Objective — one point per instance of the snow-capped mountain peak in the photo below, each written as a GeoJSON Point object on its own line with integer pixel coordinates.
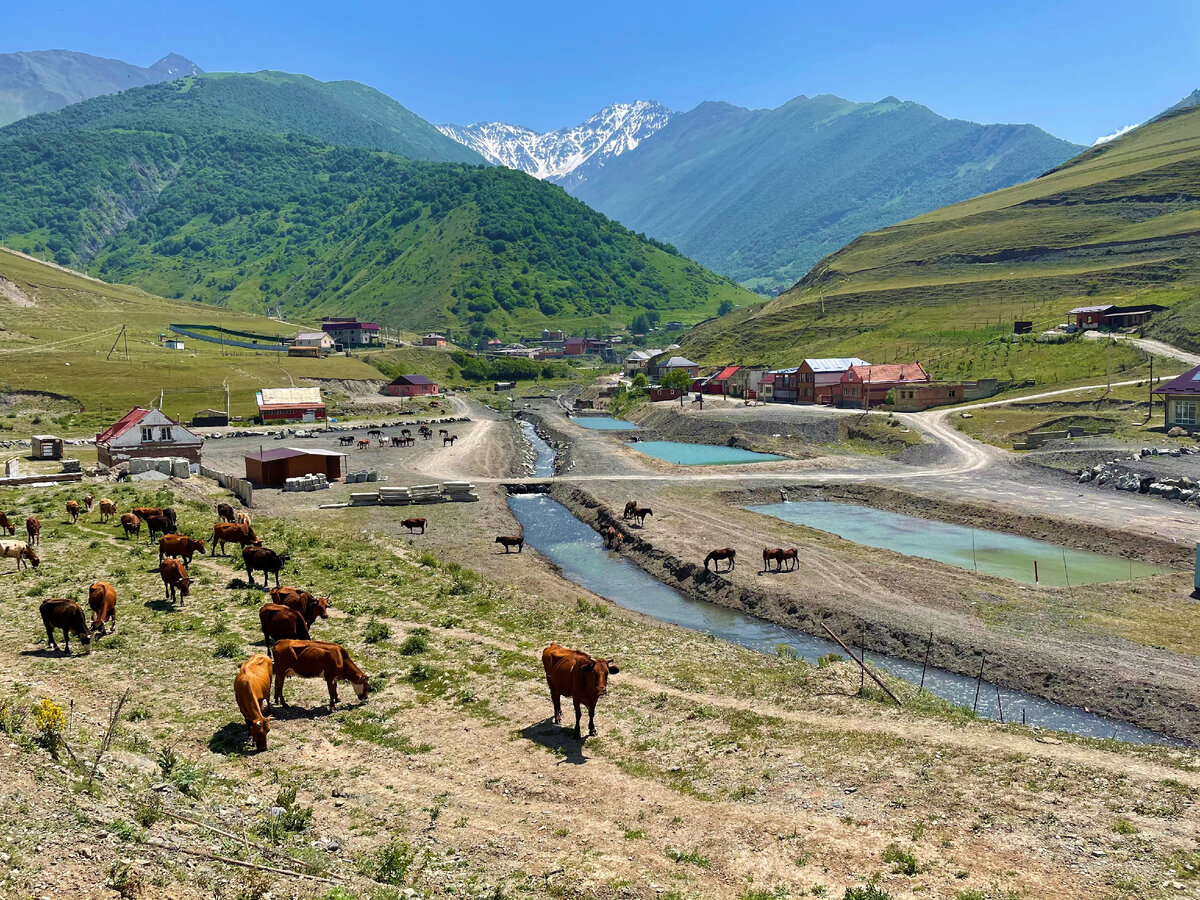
{"type": "Point", "coordinates": [559, 155]}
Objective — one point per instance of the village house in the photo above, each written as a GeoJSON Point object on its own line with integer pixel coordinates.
{"type": "Point", "coordinates": [718, 383]}
{"type": "Point", "coordinates": [147, 433]}
{"type": "Point", "coordinates": [1181, 400]}
{"type": "Point", "coordinates": [575, 346]}
{"type": "Point", "coordinates": [276, 405]}
{"type": "Point", "coordinates": [817, 379]}
{"type": "Point", "coordinates": [638, 360]}
{"type": "Point", "coordinates": [862, 387]}
{"type": "Point", "coordinates": [350, 332]}
{"type": "Point", "coordinates": [916, 397]}
{"type": "Point", "coordinates": [411, 386]}
{"type": "Point", "coordinates": [747, 382]}
{"type": "Point", "coordinates": [766, 391]}
{"type": "Point", "coordinates": [1111, 316]}
{"type": "Point", "coordinates": [318, 339]}
{"type": "Point", "coordinates": [549, 336]}
{"type": "Point", "coordinates": [784, 385]}
{"type": "Point", "coordinates": [661, 365]}
{"type": "Point", "coordinates": [433, 340]}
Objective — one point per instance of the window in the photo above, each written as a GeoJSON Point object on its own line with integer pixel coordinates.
{"type": "Point", "coordinates": [953, 392]}
{"type": "Point", "coordinates": [147, 434]}
{"type": "Point", "coordinates": [1185, 412]}
{"type": "Point", "coordinates": [164, 434]}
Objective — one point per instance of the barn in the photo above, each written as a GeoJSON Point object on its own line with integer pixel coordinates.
{"type": "Point", "coordinates": [290, 405]}
{"type": "Point", "coordinates": [271, 468]}
{"type": "Point", "coordinates": [411, 386]}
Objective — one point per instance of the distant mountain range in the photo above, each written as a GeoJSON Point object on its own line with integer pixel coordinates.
{"type": "Point", "coordinates": [45, 80]}
{"type": "Point", "coordinates": [567, 156]}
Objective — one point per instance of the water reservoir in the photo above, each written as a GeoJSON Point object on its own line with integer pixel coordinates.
{"type": "Point", "coordinates": [700, 454]}
{"type": "Point", "coordinates": [604, 423]}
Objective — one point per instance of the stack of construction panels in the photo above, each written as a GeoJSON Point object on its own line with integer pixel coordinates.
{"type": "Point", "coordinates": [395, 496]}
{"type": "Point", "coordinates": [426, 493]}
{"type": "Point", "coordinates": [460, 491]}
{"type": "Point", "coordinates": [365, 498]}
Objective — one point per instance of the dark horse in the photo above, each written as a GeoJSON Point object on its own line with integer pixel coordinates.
{"type": "Point", "coordinates": [639, 515]}
{"type": "Point", "coordinates": [727, 553]}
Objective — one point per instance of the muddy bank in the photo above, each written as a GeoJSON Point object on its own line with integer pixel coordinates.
{"type": "Point", "coordinates": [1063, 532]}
{"type": "Point", "coordinates": [1073, 676]}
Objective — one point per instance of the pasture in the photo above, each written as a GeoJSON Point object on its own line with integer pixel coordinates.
{"type": "Point", "coordinates": [717, 772]}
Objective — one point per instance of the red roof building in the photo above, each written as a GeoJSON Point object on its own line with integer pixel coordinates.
{"type": "Point", "coordinates": [411, 386]}
{"type": "Point", "coordinates": [865, 386]}
{"type": "Point", "coordinates": [1181, 400]}
{"type": "Point", "coordinates": [147, 433]}
{"type": "Point", "coordinates": [719, 383]}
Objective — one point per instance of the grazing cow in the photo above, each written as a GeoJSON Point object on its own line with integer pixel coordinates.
{"type": "Point", "coordinates": [629, 508]}
{"type": "Point", "coordinates": [243, 517]}
{"type": "Point", "coordinates": [175, 577]}
{"type": "Point", "coordinates": [639, 515]}
{"type": "Point", "coordinates": [132, 524]}
{"type": "Point", "coordinates": [88, 500]}
{"type": "Point", "coordinates": [260, 559]}
{"type": "Point", "coordinates": [67, 615]}
{"type": "Point", "coordinates": [6, 525]}
{"type": "Point", "coordinates": [510, 542]}
{"type": "Point", "coordinates": [157, 525]}
{"type": "Point", "coordinates": [102, 598]}
{"type": "Point", "coordinates": [33, 528]}
{"type": "Point", "coordinates": [312, 659]}
{"type": "Point", "coordinates": [413, 524]}
{"type": "Point", "coordinates": [225, 533]}
{"type": "Point", "coordinates": [612, 538]}
{"type": "Point", "coordinates": [168, 513]}
{"type": "Point", "coordinates": [727, 553]}
{"type": "Point", "coordinates": [108, 509]}
{"type": "Point", "coordinates": [252, 690]}
{"type": "Point", "coordinates": [449, 440]}
{"type": "Point", "coordinates": [20, 551]}
{"type": "Point", "coordinates": [574, 674]}
{"type": "Point", "coordinates": [225, 512]}
{"type": "Point", "coordinates": [280, 623]}
{"type": "Point", "coordinates": [179, 545]}
{"type": "Point", "coordinates": [143, 511]}
{"type": "Point", "coordinates": [303, 602]}
{"type": "Point", "coordinates": [73, 511]}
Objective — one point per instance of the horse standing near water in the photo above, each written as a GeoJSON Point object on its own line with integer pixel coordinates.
{"type": "Point", "coordinates": [726, 553]}
{"type": "Point", "coordinates": [639, 515]}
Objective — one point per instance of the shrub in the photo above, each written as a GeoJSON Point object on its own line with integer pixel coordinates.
{"type": "Point", "coordinates": [391, 863]}
{"type": "Point", "coordinates": [829, 659]}
{"type": "Point", "coordinates": [903, 862]}
{"type": "Point", "coordinates": [50, 720]}
{"type": "Point", "coordinates": [376, 631]}
{"type": "Point", "coordinates": [866, 892]}
{"type": "Point", "coordinates": [228, 647]}
{"type": "Point", "coordinates": [416, 642]}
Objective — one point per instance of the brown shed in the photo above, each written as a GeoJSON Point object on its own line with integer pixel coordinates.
{"type": "Point", "coordinates": [272, 468]}
{"type": "Point", "coordinates": [46, 446]}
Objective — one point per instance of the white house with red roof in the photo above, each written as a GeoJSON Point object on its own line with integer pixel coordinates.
{"type": "Point", "coordinates": [147, 433]}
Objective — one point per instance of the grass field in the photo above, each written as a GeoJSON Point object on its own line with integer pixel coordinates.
{"type": "Point", "coordinates": [58, 328]}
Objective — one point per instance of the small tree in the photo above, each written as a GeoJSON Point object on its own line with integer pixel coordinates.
{"type": "Point", "coordinates": [677, 380]}
{"type": "Point", "coordinates": [640, 324]}
{"type": "Point", "coordinates": [640, 381]}
{"type": "Point", "coordinates": [725, 308]}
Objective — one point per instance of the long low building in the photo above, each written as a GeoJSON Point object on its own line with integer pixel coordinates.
{"type": "Point", "coordinates": [271, 468]}
{"type": "Point", "coordinates": [290, 405]}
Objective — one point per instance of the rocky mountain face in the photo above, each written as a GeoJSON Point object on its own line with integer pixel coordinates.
{"type": "Point", "coordinates": [46, 80]}
{"type": "Point", "coordinates": [567, 156]}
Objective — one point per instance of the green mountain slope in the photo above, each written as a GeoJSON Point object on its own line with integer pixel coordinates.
{"type": "Point", "coordinates": [46, 80]}
{"type": "Point", "coordinates": [344, 113]}
{"type": "Point", "coordinates": [761, 195]}
{"type": "Point", "coordinates": [148, 187]}
{"type": "Point", "coordinates": [1120, 223]}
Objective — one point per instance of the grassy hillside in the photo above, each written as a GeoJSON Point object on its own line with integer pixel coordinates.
{"type": "Point", "coordinates": [1120, 223]}
{"type": "Point", "coordinates": [57, 327]}
{"type": "Point", "coordinates": [762, 195]}
{"type": "Point", "coordinates": [149, 189]}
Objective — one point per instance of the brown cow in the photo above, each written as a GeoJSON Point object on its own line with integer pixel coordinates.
{"type": "Point", "coordinates": [508, 542]}
{"type": "Point", "coordinates": [88, 500]}
{"type": "Point", "coordinates": [252, 690]}
{"type": "Point", "coordinates": [144, 512]}
{"type": "Point", "coordinates": [280, 623]}
{"type": "Point", "coordinates": [132, 524]}
{"type": "Point", "coordinates": [67, 615]}
{"type": "Point", "coordinates": [175, 577]}
{"type": "Point", "coordinates": [20, 551]}
{"type": "Point", "coordinates": [303, 602]}
{"type": "Point", "coordinates": [6, 525]}
{"type": "Point", "coordinates": [225, 513]}
{"type": "Point", "coordinates": [73, 511]}
{"type": "Point", "coordinates": [33, 528]}
{"type": "Point", "coordinates": [102, 598]}
{"type": "Point", "coordinates": [574, 674]}
{"type": "Point", "coordinates": [179, 545]}
{"type": "Point", "coordinates": [108, 509]}
{"type": "Point", "coordinates": [312, 659]}
{"type": "Point", "coordinates": [156, 525]}
{"type": "Point", "coordinates": [225, 533]}
{"type": "Point", "coordinates": [413, 524]}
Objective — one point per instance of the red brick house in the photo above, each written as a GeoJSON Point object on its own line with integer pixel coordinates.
{"type": "Point", "coordinates": [817, 379]}
{"type": "Point", "coordinates": [575, 346]}
{"type": "Point", "coordinates": [411, 386]}
{"type": "Point", "coordinates": [865, 386]}
{"type": "Point", "coordinates": [433, 340]}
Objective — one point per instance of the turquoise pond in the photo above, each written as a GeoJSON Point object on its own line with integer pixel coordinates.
{"type": "Point", "coordinates": [700, 454]}
{"type": "Point", "coordinates": [989, 552]}
{"type": "Point", "coordinates": [604, 423]}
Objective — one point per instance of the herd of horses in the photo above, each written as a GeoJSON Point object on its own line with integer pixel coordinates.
{"type": "Point", "coordinates": [403, 439]}
{"type": "Point", "coordinates": [286, 620]}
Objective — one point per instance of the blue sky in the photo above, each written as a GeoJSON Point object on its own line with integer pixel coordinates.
{"type": "Point", "coordinates": [1079, 70]}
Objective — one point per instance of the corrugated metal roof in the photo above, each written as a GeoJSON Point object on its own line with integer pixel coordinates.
{"type": "Point", "coordinates": [122, 424]}
{"type": "Point", "coordinates": [289, 396]}
{"type": "Point", "coordinates": [725, 373]}
{"type": "Point", "coordinates": [411, 379]}
{"type": "Point", "coordinates": [678, 362]}
{"type": "Point", "coordinates": [1087, 309]}
{"type": "Point", "coordinates": [1187, 383]}
{"type": "Point", "coordinates": [834, 363]}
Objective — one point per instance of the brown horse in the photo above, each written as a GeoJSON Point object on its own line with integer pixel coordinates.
{"type": "Point", "coordinates": [612, 537]}
{"type": "Point", "coordinates": [726, 553]}
{"type": "Point", "coordinates": [629, 508]}
{"type": "Point", "coordinates": [791, 557]}
{"type": "Point", "coordinates": [769, 554]}
{"type": "Point", "coordinates": [639, 515]}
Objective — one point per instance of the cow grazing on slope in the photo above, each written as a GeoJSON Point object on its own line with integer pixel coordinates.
{"type": "Point", "coordinates": [179, 545]}
{"type": "Point", "coordinates": [262, 559]}
{"type": "Point", "coordinates": [574, 674]}
{"type": "Point", "coordinates": [33, 528]}
{"type": "Point", "coordinates": [413, 524]}
{"type": "Point", "coordinates": [67, 615]}
{"type": "Point", "coordinates": [313, 659]}
{"type": "Point", "coordinates": [102, 598]}
{"type": "Point", "coordinates": [510, 542]}
{"type": "Point", "coordinates": [108, 509]}
{"type": "Point", "coordinates": [20, 551]}
{"type": "Point", "coordinates": [142, 512]}
{"type": "Point", "coordinates": [73, 511]}
{"type": "Point", "coordinates": [6, 525]}
{"type": "Point", "coordinates": [132, 524]}
{"type": "Point", "coordinates": [175, 578]}
{"type": "Point", "coordinates": [88, 500]}
{"type": "Point", "coordinates": [281, 623]}
{"type": "Point", "coordinates": [303, 602]}
{"type": "Point", "coordinates": [224, 533]}
{"type": "Point", "coordinates": [225, 512]}
{"type": "Point", "coordinates": [252, 690]}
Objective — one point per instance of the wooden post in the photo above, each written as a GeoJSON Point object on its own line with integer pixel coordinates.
{"type": "Point", "coordinates": [1066, 574]}
{"type": "Point", "coordinates": [978, 682]}
{"type": "Point", "coordinates": [999, 705]}
{"type": "Point", "coordinates": [861, 665]}
{"type": "Point", "coordinates": [925, 664]}
{"type": "Point", "coordinates": [1035, 574]}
